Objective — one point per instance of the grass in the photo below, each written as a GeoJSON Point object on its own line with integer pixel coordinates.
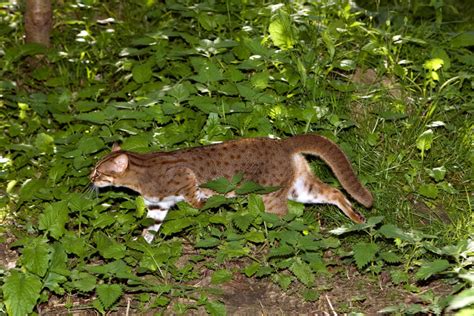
{"type": "Point", "coordinates": [391, 87]}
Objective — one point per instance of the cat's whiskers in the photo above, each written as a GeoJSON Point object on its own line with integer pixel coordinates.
{"type": "Point", "coordinates": [164, 178]}
{"type": "Point", "coordinates": [90, 191]}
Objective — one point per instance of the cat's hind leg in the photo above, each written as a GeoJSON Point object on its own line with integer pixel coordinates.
{"type": "Point", "coordinates": [276, 202]}
{"type": "Point", "coordinates": [306, 188]}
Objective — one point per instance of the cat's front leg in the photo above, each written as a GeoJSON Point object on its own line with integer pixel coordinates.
{"type": "Point", "coordinates": [159, 215]}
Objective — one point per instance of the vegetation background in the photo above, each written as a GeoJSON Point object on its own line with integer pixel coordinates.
{"type": "Point", "coordinates": [390, 81]}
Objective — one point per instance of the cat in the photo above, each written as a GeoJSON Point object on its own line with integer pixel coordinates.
{"type": "Point", "coordinates": [165, 178]}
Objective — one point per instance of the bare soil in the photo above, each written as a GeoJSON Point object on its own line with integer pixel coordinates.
{"type": "Point", "coordinates": [346, 290]}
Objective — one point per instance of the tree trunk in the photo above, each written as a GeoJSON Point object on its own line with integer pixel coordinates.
{"type": "Point", "coordinates": [38, 21]}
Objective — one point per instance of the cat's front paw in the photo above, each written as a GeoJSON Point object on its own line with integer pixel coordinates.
{"type": "Point", "coordinates": [148, 235]}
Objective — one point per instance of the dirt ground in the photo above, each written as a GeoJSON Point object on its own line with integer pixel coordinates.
{"type": "Point", "coordinates": [345, 291]}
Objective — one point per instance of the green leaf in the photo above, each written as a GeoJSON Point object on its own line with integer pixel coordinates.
{"type": "Point", "coordinates": [399, 276]}
{"type": "Point", "coordinates": [281, 251]}
{"type": "Point", "coordinates": [36, 256]}
{"type": "Point", "coordinates": [330, 242]}
{"type": "Point", "coordinates": [97, 117]}
{"type": "Point", "coordinates": [437, 173]}
{"type": "Point", "coordinates": [462, 300]}
{"type": "Point", "coordinates": [311, 295]}
{"type": "Point", "coordinates": [88, 145]}
{"type": "Point", "coordinates": [390, 257]}
{"type": "Point", "coordinates": [220, 185]}
{"type": "Point", "coordinates": [438, 52]}
{"type": "Point", "coordinates": [272, 220]}
{"type": "Point", "coordinates": [221, 276]}
{"type": "Point", "coordinates": [142, 72]}
{"type": "Point", "coordinates": [364, 253]}
{"type": "Point", "coordinates": [58, 262]}
{"type": "Point", "coordinates": [108, 247]}
{"type": "Point", "coordinates": [117, 268]}
{"type": "Point", "coordinates": [44, 142]}
{"type": "Point", "coordinates": [295, 208]}
{"type": "Point", "coordinates": [424, 141]}
{"type": "Point", "coordinates": [180, 92]}
{"type": "Point", "coordinates": [429, 190]}
{"type": "Point", "coordinates": [207, 243]}
{"type": "Point", "coordinates": [260, 80]}
{"type": "Point", "coordinates": [250, 270]}
{"type": "Point", "coordinates": [263, 271]}
{"type": "Point", "coordinates": [281, 31]}
{"type": "Point", "coordinates": [303, 272]}
{"type": "Point", "coordinates": [108, 294]}
{"type": "Point", "coordinates": [76, 245]}
{"type": "Point", "coordinates": [175, 226]}
{"type": "Point", "coordinates": [433, 64]}
{"type": "Point", "coordinates": [216, 308]}
{"type": "Point", "coordinates": [371, 222]}
{"type": "Point", "coordinates": [255, 204]}
{"type": "Point", "coordinates": [21, 291]}
{"type": "Point", "coordinates": [392, 231]}
{"type": "Point", "coordinates": [216, 201]}
{"type": "Point", "coordinates": [103, 220]}
{"type": "Point", "coordinates": [430, 268]}
{"type": "Point", "coordinates": [84, 282]}
{"type": "Point", "coordinates": [54, 218]}
{"type": "Point", "coordinates": [207, 72]}
{"type": "Point", "coordinates": [465, 39]}
{"type": "Point", "coordinates": [252, 187]}
{"type": "Point", "coordinates": [255, 237]}
{"type": "Point", "coordinates": [308, 243]}
{"type": "Point", "coordinates": [140, 206]}
{"type": "Point", "coordinates": [283, 280]}
{"type": "Point", "coordinates": [243, 221]}
{"type": "Point", "coordinates": [54, 282]}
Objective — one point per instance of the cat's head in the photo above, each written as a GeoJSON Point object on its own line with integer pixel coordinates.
{"type": "Point", "coordinates": [111, 170]}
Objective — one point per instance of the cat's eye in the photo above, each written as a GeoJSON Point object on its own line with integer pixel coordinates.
{"type": "Point", "coordinates": [95, 174]}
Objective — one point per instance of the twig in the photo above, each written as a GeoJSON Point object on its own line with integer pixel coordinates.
{"type": "Point", "coordinates": [330, 305]}
{"type": "Point", "coordinates": [128, 307]}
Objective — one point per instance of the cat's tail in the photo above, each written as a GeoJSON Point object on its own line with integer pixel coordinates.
{"type": "Point", "coordinates": [336, 159]}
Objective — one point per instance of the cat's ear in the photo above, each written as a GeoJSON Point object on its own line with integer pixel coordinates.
{"type": "Point", "coordinates": [116, 147]}
{"type": "Point", "coordinates": [120, 163]}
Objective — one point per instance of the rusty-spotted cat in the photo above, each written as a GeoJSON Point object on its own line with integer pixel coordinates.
{"type": "Point", "coordinates": [165, 178]}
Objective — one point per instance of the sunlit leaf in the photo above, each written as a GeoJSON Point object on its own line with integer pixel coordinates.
{"type": "Point", "coordinates": [433, 64]}
{"type": "Point", "coordinates": [463, 299]}
{"type": "Point", "coordinates": [424, 141]}
{"type": "Point", "coordinates": [281, 31]}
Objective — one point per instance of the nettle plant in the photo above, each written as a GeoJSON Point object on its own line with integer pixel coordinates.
{"type": "Point", "coordinates": [173, 76]}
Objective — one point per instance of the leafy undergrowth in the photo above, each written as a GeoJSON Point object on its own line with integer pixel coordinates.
{"type": "Point", "coordinates": [393, 89]}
